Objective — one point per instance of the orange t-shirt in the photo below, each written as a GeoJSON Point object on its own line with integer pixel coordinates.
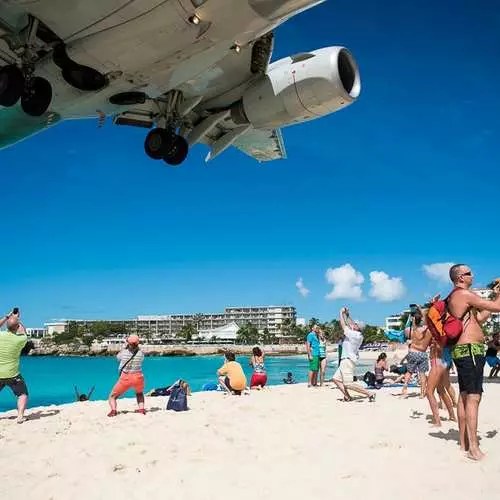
{"type": "Point", "coordinates": [234, 372]}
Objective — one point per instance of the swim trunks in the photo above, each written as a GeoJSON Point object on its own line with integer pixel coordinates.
{"type": "Point", "coordinates": [469, 360]}
{"type": "Point", "coordinates": [129, 381]}
{"type": "Point", "coordinates": [417, 362]}
{"type": "Point", "coordinates": [314, 364]}
{"type": "Point", "coordinates": [16, 384]}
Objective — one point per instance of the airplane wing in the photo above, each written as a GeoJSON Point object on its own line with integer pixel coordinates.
{"type": "Point", "coordinates": [263, 145]}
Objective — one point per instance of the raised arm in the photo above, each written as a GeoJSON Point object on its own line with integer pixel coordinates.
{"type": "Point", "coordinates": [91, 391]}
{"type": "Point", "coordinates": [483, 305]}
{"type": "Point", "coordinates": [343, 322]}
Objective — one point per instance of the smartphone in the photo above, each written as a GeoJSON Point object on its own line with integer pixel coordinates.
{"type": "Point", "coordinates": [15, 310]}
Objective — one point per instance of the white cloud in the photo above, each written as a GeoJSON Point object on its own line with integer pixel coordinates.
{"type": "Point", "coordinates": [438, 271]}
{"type": "Point", "coordinates": [385, 288]}
{"type": "Point", "coordinates": [301, 288]}
{"type": "Point", "coordinates": [346, 283]}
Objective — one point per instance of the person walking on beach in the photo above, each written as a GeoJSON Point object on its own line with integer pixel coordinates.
{"type": "Point", "coordinates": [259, 376]}
{"type": "Point", "coordinates": [12, 343]}
{"type": "Point", "coordinates": [344, 376]}
{"type": "Point", "coordinates": [312, 347]}
{"type": "Point", "coordinates": [231, 375]}
{"type": "Point", "coordinates": [469, 353]}
{"type": "Point", "coordinates": [131, 376]}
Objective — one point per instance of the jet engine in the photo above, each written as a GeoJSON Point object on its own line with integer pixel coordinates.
{"type": "Point", "coordinates": [300, 88]}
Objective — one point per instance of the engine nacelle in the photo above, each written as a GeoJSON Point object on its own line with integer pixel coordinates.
{"type": "Point", "coordinates": [300, 88]}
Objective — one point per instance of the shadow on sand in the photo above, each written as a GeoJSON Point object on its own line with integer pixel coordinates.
{"type": "Point", "coordinates": [37, 415]}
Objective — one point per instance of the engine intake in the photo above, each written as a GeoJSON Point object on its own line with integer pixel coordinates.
{"type": "Point", "coordinates": [300, 88]}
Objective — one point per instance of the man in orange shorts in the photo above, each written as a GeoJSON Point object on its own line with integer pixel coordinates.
{"type": "Point", "coordinates": [131, 376]}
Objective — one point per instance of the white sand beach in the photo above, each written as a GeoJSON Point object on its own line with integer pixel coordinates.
{"type": "Point", "coordinates": [284, 442]}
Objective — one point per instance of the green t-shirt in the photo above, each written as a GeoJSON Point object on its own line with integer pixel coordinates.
{"type": "Point", "coordinates": [11, 346]}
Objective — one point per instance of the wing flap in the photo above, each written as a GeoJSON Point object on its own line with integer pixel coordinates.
{"type": "Point", "coordinates": [263, 145]}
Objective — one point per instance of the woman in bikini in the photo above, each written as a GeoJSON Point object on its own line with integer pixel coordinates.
{"type": "Point", "coordinates": [259, 376]}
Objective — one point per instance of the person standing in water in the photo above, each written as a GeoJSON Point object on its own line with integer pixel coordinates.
{"type": "Point", "coordinates": [131, 376]}
{"type": "Point", "coordinates": [12, 343]}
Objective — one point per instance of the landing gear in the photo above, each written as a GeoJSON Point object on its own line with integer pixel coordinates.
{"type": "Point", "coordinates": [37, 96]}
{"type": "Point", "coordinates": [35, 92]}
{"type": "Point", "coordinates": [11, 85]}
{"type": "Point", "coordinates": [165, 143]}
{"type": "Point", "coordinates": [177, 153]}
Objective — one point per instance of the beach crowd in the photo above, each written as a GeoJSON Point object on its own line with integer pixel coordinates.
{"type": "Point", "coordinates": [428, 361]}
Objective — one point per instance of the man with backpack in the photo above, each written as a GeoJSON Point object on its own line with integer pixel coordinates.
{"type": "Point", "coordinates": [457, 320]}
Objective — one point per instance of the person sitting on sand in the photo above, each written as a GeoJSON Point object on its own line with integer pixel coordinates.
{"type": "Point", "coordinates": [289, 378]}
{"type": "Point", "coordinates": [344, 376]}
{"type": "Point", "coordinates": [12, 343]}
{"type": "Point", "coordinates": [83, 397]}
{"type": "Point", "coordinates": [231, 375]}
{"type": "Point", "coordinates": [131, 376]}
{"type": "Point", "coordinates": [259, 376]}
{"type": "Point", "coordinates": [381, 366]}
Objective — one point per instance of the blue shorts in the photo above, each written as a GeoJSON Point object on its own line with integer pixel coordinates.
{"type": "Point", "coordinates": [492, 361]}
{"type": "Point", "coordinates": [446, 359]}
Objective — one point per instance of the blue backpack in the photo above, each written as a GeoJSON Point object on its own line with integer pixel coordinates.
{"type": "Point", "coordinates": [177, 400]}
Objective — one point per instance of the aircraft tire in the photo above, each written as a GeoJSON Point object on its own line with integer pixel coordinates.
{"type": "Point", "coordinates": [37, 96]}
{"type": "Point", "coordinates": [157, 142]}
{"type": "Point", "coordinates": [11, 85]}
{"type": "Point", "coordinates": [177, 153]}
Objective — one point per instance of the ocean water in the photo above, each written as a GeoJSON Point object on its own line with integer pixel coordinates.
{"type": "Point", "coordinates": [51, 380]}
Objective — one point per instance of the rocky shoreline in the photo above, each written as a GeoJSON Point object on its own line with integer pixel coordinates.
{"type": "Point", "coordinates": [166, 350]}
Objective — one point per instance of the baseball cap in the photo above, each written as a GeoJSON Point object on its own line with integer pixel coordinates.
{"type": "Point", "coordinates": [133, 339]}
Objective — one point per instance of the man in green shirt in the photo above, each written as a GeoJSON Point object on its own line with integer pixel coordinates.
{"type": "Point", "coordinates": [12, 342]}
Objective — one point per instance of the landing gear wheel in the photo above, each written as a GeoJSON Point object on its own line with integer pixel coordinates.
{"type": "Point", "coordinates": [11, 85]}
{"type": "Point", "coordinates": [178, 152]}
{"type": "Point", "coordinates": [157, 142]}
{"type": "Point", "coordinates": [37, 96]}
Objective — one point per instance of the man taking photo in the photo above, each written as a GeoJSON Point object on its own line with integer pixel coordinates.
{"type": "Point", "coordinates": [12, 343]}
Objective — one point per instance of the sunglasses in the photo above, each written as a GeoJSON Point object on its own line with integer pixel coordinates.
{"type": "Point", "coordinates": [468, 273]}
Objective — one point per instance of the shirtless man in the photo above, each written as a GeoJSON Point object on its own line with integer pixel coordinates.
{"type": "Point", "coordinates": [469, 353]}
{"type": "Point", "coordinates": [418, 361]}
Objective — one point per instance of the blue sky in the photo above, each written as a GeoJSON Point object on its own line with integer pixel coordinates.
{"type": "Point", "coordinates": [409, 175]}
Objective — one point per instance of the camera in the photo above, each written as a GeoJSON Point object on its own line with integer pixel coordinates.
{"type": "Point", "coordinates": [413, 309]}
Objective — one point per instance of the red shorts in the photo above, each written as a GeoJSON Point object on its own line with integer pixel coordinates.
{"type": "Point", "coordinates": [129, 381]}
{"type": "Point", "coordinates": [258, 379]}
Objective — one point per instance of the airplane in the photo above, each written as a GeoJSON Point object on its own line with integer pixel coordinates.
{"type": "Point", "coordinates": [190, 71]}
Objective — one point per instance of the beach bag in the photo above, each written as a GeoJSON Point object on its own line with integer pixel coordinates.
{"type": "Point", "coordinates": [177, 400]}
{"type": "Point", "coordinates": [369, 379]}
{"type": "Point", "coordinates": [445, 328]}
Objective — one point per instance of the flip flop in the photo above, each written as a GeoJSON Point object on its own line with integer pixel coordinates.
{"type": "Point", "coordinates": [112, 413]}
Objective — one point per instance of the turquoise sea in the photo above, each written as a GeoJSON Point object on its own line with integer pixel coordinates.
{"type": "Point", "coordinates": [51, 379]}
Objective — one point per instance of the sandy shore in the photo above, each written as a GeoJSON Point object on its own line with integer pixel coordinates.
{"type": "Point", "coordinates": [284, 442]}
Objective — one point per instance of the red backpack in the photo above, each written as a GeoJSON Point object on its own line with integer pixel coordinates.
{"type": "Point", "coordinates": [444, 327]}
